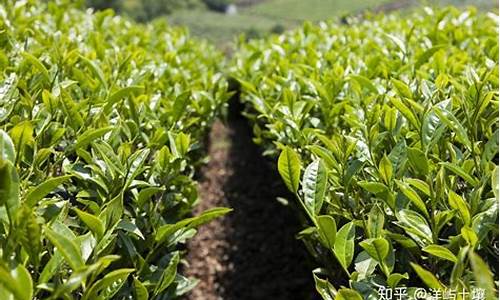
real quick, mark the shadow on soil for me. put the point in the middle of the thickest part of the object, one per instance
(267, 261)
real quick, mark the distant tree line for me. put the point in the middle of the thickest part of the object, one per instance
(144, 10)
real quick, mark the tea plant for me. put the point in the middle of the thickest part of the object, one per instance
(101, 126)
(387, 133)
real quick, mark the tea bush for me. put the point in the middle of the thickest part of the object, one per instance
(102, 123)
(387, 133)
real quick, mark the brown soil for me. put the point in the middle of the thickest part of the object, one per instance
(251, 253)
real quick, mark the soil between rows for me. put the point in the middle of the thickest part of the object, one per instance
(251, 253)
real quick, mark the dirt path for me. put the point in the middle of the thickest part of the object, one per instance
(252, 253)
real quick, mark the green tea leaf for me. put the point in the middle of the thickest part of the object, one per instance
(413, 196)
(402, 89)
(182, 142)
(422, 186)
(418, 161)
(427, 277)
(166, 230)
(469, 236)
(458, 203)
(385, 169)
(41, 190)
(17, 281)
(22, 135)
(68, 248)
(168, 274)
(377, 248)
(415, 225)
(108, 286)
(344, 245)
(7, 151)
(9, 188)
(141, 293)
(314, 185)
(490, 149)
(8, 96)
(482, 275)
(405, 111)
(460, 172)
(376, 222)
(90, 135)
(93, 223)
(441, 252)
(365, 82)
(494, 182)
(452, 122)
(96, 70)
(373, 187)
(324, 288)
(394, 279)
(348, 294)
(327, 230)
(424, 57)
(365, 265)
(289, 168)
(37, 64)
(119, 95)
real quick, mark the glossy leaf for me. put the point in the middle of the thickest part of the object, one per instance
(41, 190)
(7, 151)
(344, 245)
(168, 274)
(314, 185)
(108, 286)
(324, 288)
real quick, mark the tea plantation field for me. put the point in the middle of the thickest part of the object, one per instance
(384, 130)
(387, 134)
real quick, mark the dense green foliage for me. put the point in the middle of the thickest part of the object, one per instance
(388, 133)
(101, 126)
(146, 10)
(264, 17)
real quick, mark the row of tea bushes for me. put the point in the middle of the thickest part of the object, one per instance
(101, 126)
(387, 133)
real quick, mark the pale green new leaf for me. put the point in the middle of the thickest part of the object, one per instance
(377, 248)
(427, 277)
(68, 248)
(93, 223)
(327, 230)
(441, 252)
(458, 203)
(289, 168)
(344, 245)
(483, 275)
